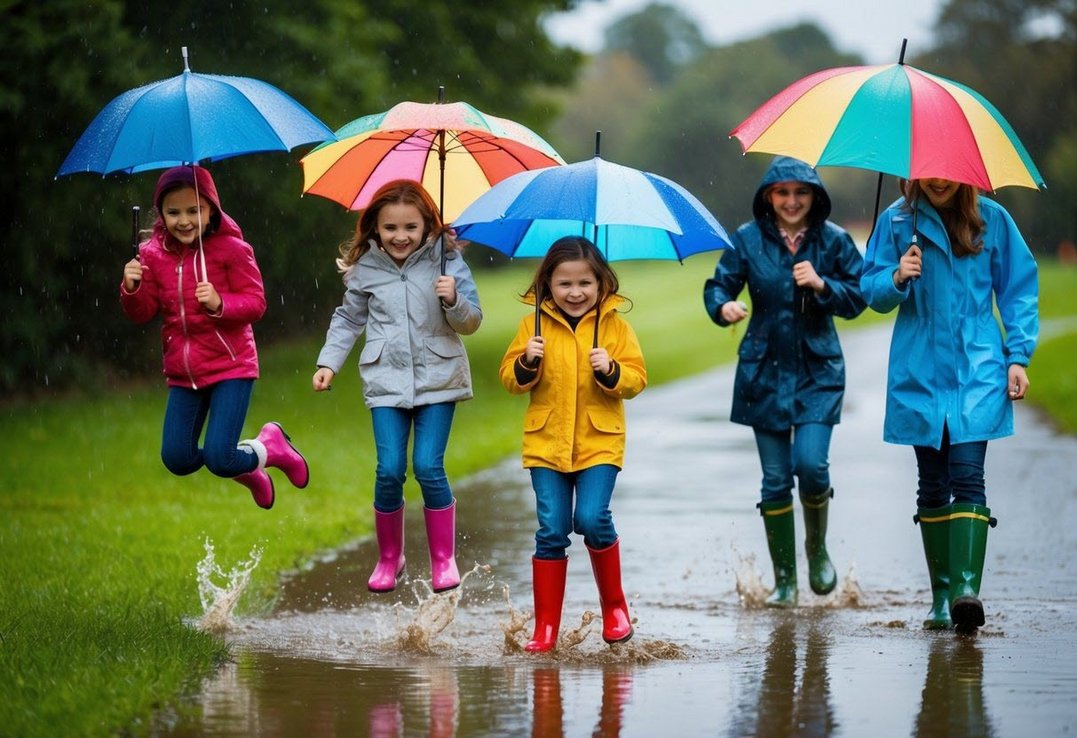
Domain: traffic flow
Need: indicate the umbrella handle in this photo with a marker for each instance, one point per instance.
(538, 312)
(134, 228)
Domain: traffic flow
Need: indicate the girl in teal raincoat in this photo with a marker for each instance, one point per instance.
(945, 257)
(801, 270)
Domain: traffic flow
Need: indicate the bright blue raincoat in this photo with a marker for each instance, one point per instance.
(791, 370)
(948, 356)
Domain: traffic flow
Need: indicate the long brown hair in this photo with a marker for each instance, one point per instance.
(574, 248)
(961, 217)
(398, 191)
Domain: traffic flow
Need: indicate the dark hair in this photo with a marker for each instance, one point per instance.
(574, 248)
(961, 217)
(214, 213)
(398, 191)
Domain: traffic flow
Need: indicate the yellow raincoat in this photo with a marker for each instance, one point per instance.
(573, 422)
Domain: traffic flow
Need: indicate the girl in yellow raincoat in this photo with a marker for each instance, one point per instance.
(580, 360)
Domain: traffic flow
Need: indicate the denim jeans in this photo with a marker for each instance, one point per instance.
(556, 518)
(225, 404)
(392, 426)
(801, 452)
(951, 473)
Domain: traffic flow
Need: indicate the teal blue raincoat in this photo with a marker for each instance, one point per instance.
(949, 357)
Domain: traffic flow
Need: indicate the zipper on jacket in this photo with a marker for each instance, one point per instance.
(183, 322)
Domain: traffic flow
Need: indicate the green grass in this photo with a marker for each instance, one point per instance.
(100, 542)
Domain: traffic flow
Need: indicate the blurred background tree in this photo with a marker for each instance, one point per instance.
(664, 98)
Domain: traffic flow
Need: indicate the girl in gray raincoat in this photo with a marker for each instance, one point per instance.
(413, 365)
(945, 257)
(801, 270)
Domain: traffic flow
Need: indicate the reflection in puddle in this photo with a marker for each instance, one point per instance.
(953, 701)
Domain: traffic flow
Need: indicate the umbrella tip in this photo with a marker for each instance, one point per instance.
(904, 43)
(183, 51)
(441, 94)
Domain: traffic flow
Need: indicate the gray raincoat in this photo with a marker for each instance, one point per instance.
(413, 353)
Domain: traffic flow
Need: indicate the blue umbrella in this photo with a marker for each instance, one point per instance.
(192, 118)
(627, 213)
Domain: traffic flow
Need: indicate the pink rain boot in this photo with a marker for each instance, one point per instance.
(606, 563)
(257, 481)
(260, 485)
(441, 538)
(280, 452)
(389, 528)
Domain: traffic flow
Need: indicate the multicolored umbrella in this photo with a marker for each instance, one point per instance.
(894, 119)
(456, 151)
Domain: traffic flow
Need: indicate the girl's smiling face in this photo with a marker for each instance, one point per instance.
(185, 216)
(791, 202)
(574, 287)
(940, 192)
(400, 230)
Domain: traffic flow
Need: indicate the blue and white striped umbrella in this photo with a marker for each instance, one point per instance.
(627, 213)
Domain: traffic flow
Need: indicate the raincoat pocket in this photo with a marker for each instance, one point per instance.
(750, 367)
(606, 422)
(535, 418)
(446, 363)
(371, 353)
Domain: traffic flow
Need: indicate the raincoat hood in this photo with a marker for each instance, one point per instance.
(195, 176)
(788, 169)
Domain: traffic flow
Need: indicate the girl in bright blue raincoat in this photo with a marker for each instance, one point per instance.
(801, 271)
(945, 257)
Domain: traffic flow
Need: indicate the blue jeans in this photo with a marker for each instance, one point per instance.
(392, 426)
(553, 503)
(951, 473)
(225, 404)
(801, 452)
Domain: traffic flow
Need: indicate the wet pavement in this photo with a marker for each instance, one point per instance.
(707, 659)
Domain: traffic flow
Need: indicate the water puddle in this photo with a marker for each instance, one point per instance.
(708, 658)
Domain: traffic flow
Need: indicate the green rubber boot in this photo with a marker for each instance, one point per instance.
(821, 574)
(779, 525)
(968, 548)
(935, 532)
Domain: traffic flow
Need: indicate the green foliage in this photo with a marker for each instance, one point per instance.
(67, 239)
(660, 36)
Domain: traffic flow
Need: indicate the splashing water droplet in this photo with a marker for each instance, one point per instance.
(219, 601)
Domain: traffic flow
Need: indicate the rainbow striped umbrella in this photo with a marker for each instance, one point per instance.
(456, 151)
(893, 119)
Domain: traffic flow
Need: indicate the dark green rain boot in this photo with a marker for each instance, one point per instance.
(779, 525)
(968, 548)
(821, 574)
(935, 532)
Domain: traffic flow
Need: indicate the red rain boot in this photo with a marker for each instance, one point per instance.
(606, 563)
(280, 452)
(549, 585)
(260, 485)
(389, 529)
(441, 539)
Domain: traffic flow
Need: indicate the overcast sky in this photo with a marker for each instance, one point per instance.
(871, 28)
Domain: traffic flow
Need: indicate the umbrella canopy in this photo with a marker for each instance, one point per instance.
(453, 149)
(627, 213)
(191, 118)
(893, 119)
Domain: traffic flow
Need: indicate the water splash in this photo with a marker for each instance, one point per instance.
(750, 588)
(435, 613)
(218, 602)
